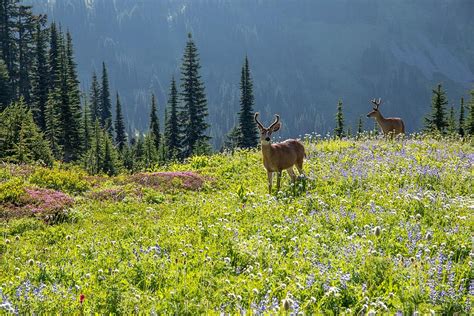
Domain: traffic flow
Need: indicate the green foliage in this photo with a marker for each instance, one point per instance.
(70, 181)
(452, 128)
(20, 139)
(172, 127)
(339, 130)
(194, 111)
(155, 124)
(461, 122)
(120, 137)
(248, 135)
(40, 77)
(436, 121)
(12, 191)
(105, 104)
(95, 99)
(5, 90)
(470, 121)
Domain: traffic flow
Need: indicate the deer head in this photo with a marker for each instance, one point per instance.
(266, 133)
(375, 108)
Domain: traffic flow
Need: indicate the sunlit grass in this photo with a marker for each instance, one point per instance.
(376, 225)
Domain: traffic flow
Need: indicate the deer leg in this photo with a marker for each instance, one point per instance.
(292, 174)
(278, 180)
(299, 166)
(270, 178)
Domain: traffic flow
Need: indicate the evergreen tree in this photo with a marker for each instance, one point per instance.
(154, 123)
(461, 119)
(436, 121)
(93, 158)
(95, 99)
(87, 125)
(4, 86)
(25, 24)
(70, 114)
(110, 163)
(172, 132)
(9, 11)
(53, 131)
(20, 139)
(452, 129)
(470, 121)
(105, 103)
(194, 103)
(139, 150)
(360, 126)
(339, 130)
(150, 152)
(247, 131)
(40, 77)
(120, 137)
(54, 58)
(233, 139)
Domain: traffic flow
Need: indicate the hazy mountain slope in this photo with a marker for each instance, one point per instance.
(304, 55)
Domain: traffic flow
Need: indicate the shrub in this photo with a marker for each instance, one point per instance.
(12, 191)
(70, 181)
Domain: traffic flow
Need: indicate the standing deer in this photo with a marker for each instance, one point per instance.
(390, 125)
(281, 156)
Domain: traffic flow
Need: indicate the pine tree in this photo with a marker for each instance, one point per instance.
(71, 115)
(452, 129)
(54, 58)
(21, 139)
(9, 11)
(436, 121)
(247, 130)
(172, 132)
(53, 132)
(233, 139)
(470, 121)
(339, 130)
(105, 103)
(95, 99)
(87, 125)
(120, 137)
(93, 158)
(360, 126)
(150, 152)
(40, 77)
(4, 86)
(110, 163)
(154, 123)
(25, 24)
(194, 103)
(461, 119)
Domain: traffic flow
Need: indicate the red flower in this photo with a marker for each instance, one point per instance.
(82, 297)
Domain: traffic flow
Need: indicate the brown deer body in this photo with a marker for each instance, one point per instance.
(391, 125)
(280, 156)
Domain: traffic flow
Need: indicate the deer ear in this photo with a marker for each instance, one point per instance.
(276, 127)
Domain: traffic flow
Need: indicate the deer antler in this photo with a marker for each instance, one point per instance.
(376, 102)
(277, 119)
(257, 121)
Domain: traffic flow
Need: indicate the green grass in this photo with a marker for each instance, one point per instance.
(376, 225)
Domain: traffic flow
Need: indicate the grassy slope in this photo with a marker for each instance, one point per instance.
(377, 225)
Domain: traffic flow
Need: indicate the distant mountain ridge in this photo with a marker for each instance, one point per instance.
(304, 55)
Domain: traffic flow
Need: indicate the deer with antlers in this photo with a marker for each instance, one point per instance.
(280, 156)
(390, 125)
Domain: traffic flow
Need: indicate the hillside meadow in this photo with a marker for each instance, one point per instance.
(376, 226)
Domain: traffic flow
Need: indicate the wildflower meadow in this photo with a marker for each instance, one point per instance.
(374, 227)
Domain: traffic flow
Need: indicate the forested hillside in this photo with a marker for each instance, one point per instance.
(305, 55)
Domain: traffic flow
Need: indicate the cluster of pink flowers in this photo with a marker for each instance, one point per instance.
(45, 200)
(169, 180)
